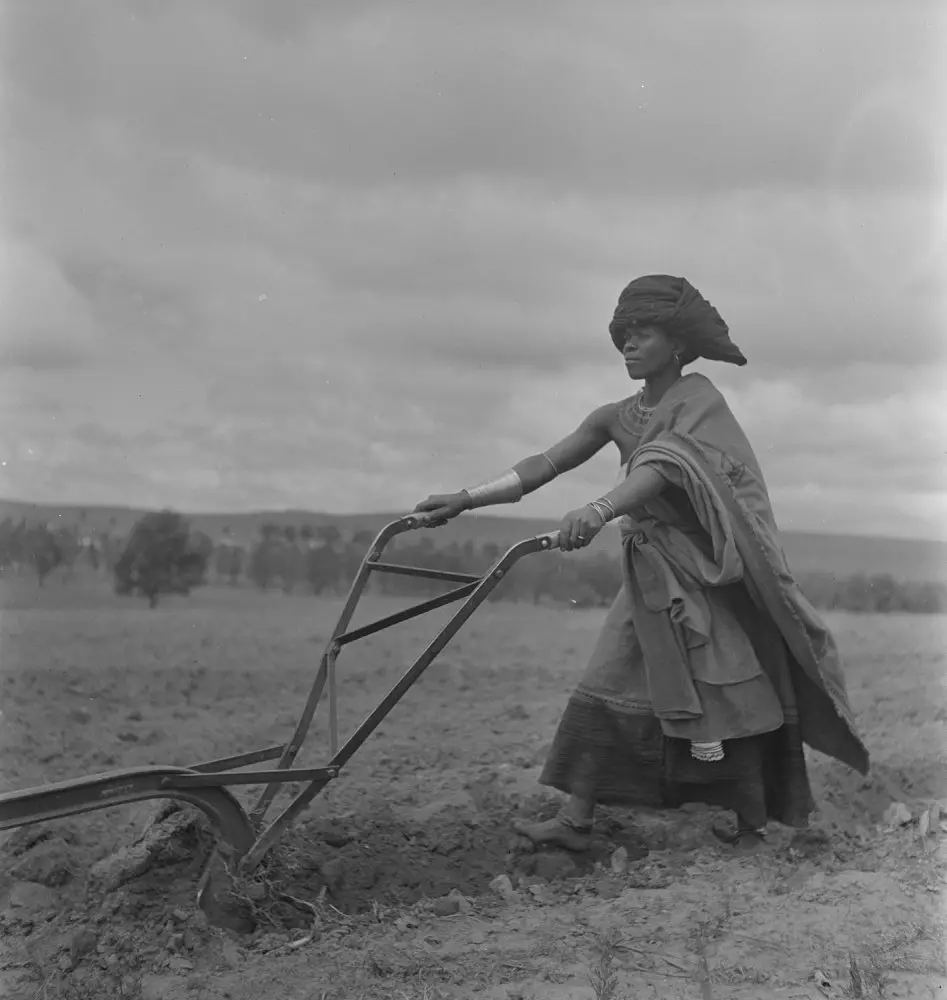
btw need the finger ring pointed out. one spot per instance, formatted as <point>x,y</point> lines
<point>580,538</point>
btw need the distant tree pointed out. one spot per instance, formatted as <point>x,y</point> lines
<point>162,556</point>
<point>229,557</point>
<point>43,550</point>
<point>292,560</point>
<point>329,534</point>
<point>324,568</point>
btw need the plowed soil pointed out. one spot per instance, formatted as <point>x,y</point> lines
<point>387,886</point>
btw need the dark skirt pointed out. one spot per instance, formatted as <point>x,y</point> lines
<point>611,748</point>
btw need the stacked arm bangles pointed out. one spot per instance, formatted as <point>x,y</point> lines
<point>603,507</point>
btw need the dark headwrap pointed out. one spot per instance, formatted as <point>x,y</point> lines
<point>679,310</point>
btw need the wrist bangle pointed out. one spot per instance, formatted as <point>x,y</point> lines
<point>507,488</point>
<point>603,507</point>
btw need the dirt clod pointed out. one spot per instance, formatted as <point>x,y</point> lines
<point>82,940</point>
<point>503,887</point>
<point>619,861</point>
<point>897,814</point>
<point>333,871</point>
<point>551,866</point>
<point>336,836</point>
<point>50,862</point>
<point>445,906</point>
<point>31,899</point>
<point>124,865</point>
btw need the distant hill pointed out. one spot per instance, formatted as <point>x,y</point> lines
<point>807,552</point>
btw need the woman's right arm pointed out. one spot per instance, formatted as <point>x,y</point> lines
<point>531,473</point>
<point>586,441</point>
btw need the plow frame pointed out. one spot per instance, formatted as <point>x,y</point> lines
<point>244,839</point>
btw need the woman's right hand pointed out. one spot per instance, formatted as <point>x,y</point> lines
<point>442,507</point>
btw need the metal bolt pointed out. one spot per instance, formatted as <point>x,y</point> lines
<point>498,573</point>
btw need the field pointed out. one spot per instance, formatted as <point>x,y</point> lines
<point>92,682</point>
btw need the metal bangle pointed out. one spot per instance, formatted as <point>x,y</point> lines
<point>609,505</point>
<point>507,488</point>
<point>603,508</point>
<point>551,462</point>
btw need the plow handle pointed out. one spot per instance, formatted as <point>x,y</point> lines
<point>411,522</point>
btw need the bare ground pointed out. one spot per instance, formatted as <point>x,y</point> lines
<point>389,874</point>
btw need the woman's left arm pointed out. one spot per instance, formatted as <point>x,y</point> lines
<point>640,486</point>
<point>580,526</point>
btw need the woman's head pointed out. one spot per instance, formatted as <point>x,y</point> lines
<point>648,351</point>
<point>676,311</point>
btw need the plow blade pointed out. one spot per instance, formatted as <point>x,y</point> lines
<point>102,791</point>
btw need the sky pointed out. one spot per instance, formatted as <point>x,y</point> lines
<point>337,256</point>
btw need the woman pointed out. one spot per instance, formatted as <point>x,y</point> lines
<point>712,670</point>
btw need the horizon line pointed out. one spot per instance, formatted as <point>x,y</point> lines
<point>481,512</point>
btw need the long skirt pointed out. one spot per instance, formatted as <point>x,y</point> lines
<point>611,748</point>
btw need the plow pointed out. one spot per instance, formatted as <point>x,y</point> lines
<point>244,837</point>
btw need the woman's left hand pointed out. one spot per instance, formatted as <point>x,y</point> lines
<point>578,528</point>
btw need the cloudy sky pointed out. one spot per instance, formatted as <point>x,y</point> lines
<point>338,255</point>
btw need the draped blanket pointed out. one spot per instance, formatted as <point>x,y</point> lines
<point>710,639</point>
<point>695,442</point>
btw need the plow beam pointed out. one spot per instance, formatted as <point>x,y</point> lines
<point>102,791</point>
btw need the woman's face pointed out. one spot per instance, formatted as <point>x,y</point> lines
<point>647,351</point>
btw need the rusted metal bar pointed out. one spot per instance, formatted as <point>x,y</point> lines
<point>409,613</point>
<point>331,657</point>
<point>309,709</point>
<point>240,759</point>
<point>280,775</point>
<point>421,571</point>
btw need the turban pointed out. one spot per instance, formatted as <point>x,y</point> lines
<point>679,310</point>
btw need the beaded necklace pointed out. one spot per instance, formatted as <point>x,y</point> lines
<point>636,416</point>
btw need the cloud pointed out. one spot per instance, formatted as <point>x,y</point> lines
<point>46,325</point>
<point>666,96</point>
<point>345,255</point>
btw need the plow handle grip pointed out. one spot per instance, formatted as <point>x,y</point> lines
<point>552,537</point>
<point>411,521</point>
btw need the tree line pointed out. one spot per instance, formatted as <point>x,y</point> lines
<point>323,561</point>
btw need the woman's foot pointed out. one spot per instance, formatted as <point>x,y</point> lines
<point>557,832</point>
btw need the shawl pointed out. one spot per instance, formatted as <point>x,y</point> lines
<point>695,442</point>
